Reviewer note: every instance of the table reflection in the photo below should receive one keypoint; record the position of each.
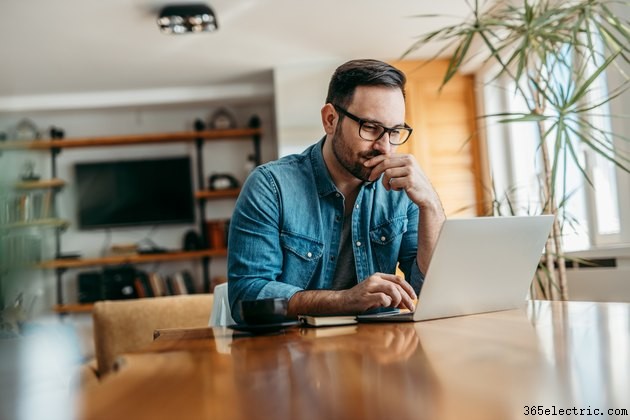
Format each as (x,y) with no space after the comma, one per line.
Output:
(587,346)
(385,373)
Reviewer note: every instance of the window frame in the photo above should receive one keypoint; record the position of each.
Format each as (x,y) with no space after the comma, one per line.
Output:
(502,168)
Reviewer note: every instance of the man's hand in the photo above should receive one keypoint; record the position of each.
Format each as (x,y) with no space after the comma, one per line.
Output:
(402,172)
(380,290)
(377,291)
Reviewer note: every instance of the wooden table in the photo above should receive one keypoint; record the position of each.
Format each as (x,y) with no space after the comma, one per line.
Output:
(502,365)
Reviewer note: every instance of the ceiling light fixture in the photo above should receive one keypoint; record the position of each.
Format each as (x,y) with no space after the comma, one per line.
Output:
(183,18)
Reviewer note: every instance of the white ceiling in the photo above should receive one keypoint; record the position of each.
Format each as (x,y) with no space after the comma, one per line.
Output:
(71,46)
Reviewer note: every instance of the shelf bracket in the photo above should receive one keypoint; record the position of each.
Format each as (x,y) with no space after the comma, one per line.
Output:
(254,122)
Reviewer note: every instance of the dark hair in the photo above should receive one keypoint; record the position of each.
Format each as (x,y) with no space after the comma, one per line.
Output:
(356,73)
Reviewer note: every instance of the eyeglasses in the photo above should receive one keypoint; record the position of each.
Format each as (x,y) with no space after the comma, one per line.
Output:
(372,131)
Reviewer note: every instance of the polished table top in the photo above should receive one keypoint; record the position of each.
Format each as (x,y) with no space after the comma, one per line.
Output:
(503,365)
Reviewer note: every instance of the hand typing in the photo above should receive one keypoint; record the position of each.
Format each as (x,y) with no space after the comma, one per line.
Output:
(378,291)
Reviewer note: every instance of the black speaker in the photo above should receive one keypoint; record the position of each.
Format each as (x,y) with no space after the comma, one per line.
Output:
(90,284)
(119,282)
(192,241)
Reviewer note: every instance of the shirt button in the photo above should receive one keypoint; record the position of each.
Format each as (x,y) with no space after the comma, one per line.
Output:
(356,207)
(337,218)
(309,254)
(337,195)
(358,243)
(383,239)
(332,258)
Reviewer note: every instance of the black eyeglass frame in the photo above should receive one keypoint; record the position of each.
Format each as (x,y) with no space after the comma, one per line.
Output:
(387,130)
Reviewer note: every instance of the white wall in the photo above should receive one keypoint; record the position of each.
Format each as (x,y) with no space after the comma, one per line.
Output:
(300,93)
(599,284)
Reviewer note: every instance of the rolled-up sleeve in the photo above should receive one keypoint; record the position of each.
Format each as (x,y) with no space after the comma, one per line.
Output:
(407,257)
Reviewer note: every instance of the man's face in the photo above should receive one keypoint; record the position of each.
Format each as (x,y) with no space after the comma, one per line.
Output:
(382,105)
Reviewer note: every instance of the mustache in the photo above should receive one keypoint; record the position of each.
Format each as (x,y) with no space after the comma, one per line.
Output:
(371,154)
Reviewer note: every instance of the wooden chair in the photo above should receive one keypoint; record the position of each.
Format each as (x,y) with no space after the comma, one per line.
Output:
(127,325)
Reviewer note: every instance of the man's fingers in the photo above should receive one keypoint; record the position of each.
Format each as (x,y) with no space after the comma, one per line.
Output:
(398,297)
(400,172)
(381,300)
(401,282)
(387,164)
(370,163)
(406,302)
(390,160)
(396,293)
(382,290)
(394,178)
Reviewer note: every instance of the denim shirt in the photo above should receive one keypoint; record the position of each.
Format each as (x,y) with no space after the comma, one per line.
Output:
(286,226)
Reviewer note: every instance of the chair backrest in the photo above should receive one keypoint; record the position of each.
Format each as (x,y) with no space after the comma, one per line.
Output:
(127,325)
(221,315)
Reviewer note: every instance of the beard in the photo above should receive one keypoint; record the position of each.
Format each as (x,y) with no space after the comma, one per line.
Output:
(349,160)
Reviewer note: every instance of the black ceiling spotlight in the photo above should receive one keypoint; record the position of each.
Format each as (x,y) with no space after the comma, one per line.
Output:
(183,18)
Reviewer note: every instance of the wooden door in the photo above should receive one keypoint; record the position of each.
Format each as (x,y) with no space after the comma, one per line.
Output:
(445,139)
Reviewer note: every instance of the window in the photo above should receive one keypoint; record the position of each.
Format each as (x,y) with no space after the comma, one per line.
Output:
(591,214)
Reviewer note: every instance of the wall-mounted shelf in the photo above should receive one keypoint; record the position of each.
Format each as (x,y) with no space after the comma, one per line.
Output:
(73,308)
(128,140)
(217,194)
(52,223)
(133,259)
(40,185)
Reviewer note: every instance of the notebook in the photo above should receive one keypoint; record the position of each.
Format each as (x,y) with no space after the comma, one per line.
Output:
(324,321)
(481,264)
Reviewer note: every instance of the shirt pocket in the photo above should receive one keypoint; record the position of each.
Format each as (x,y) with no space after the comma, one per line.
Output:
(386,240)
(301,257)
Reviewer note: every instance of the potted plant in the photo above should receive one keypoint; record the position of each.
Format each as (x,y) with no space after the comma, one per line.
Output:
(554,52)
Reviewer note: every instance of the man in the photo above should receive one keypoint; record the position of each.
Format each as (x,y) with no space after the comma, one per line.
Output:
(326,228)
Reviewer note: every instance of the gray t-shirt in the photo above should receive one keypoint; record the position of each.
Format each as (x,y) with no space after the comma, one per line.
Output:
(345,273)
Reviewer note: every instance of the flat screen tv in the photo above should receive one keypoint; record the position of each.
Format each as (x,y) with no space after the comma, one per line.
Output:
(134,192)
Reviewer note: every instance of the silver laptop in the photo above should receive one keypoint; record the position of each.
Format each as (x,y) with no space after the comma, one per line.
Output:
(482,264)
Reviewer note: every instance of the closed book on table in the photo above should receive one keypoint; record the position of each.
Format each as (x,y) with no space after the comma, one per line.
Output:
(327,320)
